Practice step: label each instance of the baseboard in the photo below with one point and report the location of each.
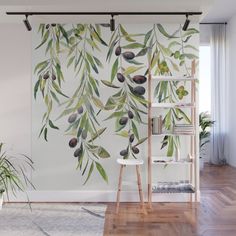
(96, 196)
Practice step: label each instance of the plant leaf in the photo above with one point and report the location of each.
(101, 171)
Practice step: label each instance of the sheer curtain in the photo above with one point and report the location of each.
(219, 95)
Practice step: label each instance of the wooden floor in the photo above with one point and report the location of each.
(214, 216)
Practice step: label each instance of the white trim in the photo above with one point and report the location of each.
(96, 196)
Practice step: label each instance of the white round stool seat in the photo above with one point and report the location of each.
(129, 162)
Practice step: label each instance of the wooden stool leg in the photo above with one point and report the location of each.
(119, 189)
(140, 188)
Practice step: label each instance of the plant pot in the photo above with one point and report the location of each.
(201, 163)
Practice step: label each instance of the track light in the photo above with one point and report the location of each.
(112, 24)
(186, 23)
(27, 24)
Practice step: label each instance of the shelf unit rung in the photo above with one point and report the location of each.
(173, 78)
(172, 105)
(155, 162)
(174, 134)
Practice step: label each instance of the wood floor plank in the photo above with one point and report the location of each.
(214, 216)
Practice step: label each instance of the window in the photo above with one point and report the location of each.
(205, 79)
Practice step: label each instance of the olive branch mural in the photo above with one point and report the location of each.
(49, 73)
(77, 42)
(129, 56)
(126, 102)
(85, 104)
(163, 60)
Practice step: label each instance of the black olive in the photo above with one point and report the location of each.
(131, 138)
(72, 118)
(139, 90)
(124, 152)
(130, 114)
(135, 150)
(73, 142)
(54, 77)
(120, 77)
(118, 51)
(80, 110)
(123, 120)
(128, 55)
(46, 76)
(139, 79)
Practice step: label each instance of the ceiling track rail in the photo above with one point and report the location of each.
(28, 13)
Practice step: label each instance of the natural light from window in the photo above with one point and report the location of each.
(205, 79)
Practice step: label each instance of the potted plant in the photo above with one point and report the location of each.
(205, 123)
(12, 173)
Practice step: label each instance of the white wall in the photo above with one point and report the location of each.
(15, 87)
(231, 36)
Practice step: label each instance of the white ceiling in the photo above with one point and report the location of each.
(213, 10)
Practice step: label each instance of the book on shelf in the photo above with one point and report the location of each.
(173, 187)
(183, 128)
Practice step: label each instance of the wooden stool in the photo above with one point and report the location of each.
(129, 162)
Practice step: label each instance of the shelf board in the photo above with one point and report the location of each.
(174, 134)
(172, 190)
(171, 105)
(173, 78)
(171, 162)
(184, 188)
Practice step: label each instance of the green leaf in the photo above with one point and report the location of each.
(191, 47)
(142, 52)
(98, 103)
(170, 149)
(190, 31)
(109, 84)
(36, 88)
(64, 33)
(45, 37)
(147, 36)
(114, 69)
(123, 133)
(56, 87)
(116, 114)
(97, 134)
(101, 171)
(140, 141)
(135, 130)
(45, 134)
(52, 125)
(183, 114)
(89, 173)
(190, 56)
(41, 65)
(131, 69)
(163, 31)
(102, 152)
(55, 97)
(133, 46)
(70, 61)
(174, 66)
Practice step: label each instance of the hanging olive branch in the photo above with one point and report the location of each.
(83, 106)
(129, 97)
(49, 74)
(162, 60)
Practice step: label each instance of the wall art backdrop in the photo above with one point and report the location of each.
(89, 95)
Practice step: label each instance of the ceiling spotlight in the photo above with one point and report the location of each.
(112, 24)
(186, 23)
(27, 24)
